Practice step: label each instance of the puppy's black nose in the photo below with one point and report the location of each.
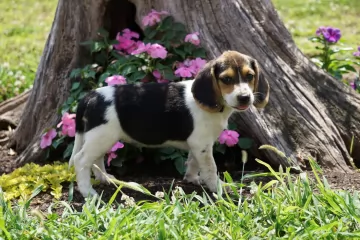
(243, 99)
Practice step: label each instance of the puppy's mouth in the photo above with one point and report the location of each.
(242, 107)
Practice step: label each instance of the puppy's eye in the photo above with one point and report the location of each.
(226, 80)
(249, 77)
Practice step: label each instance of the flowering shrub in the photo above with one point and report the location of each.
(328, 37)
(167, 53)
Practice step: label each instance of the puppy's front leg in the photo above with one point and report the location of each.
(208, 170)
(192, 170)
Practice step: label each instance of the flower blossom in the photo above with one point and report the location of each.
(154, 50)
(126, 41)
(357, 54)
(229, 137)
(46, 138)
(159, 77)
(111, 154)
(330, 34)
(68, 124)
(115, 80)
(189, 68)
(153, 17)
(193, 38)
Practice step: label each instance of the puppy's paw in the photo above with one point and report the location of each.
(88, 193)
(194, 179)
(104, 177)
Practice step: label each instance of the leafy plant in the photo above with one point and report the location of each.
(24, 180)
(328, 37)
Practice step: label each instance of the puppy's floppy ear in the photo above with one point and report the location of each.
(261, 86)
(205, 88)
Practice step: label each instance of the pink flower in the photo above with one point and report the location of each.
(154, 50)
(127, 33)
(117, 146)
(197, 64)
(141, 47)
(193, 38)
(153, 17)
(111, 154)
(115, 80)
(157, 51)
(159, 77)
(229, 137)
(46, 138)
(68, 124)
(184, 72)
(126, 43)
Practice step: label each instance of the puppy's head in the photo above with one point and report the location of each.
(232, 79)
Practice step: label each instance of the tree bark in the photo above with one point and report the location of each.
(309, 113)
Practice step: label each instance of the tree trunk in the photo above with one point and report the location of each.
(309, 113)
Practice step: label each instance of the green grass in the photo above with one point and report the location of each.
(302, 18)
(284, 208)
(24, 27)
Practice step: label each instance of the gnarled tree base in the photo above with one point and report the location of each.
(309, 112)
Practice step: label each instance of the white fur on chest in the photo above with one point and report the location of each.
(206, 125)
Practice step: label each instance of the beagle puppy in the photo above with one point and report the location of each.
(188, 115)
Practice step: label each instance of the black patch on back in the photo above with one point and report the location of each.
(153, 113)
(91, 111)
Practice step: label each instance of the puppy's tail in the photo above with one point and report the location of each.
(80, 128)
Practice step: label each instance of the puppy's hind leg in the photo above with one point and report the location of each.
(97, 142)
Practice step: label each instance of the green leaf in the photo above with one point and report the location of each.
(103, 77)
(167, 151)
(232, 126)
(113, 42)
(166, 23)
(180, 164)
(199, 52)
(98, 46)
(90, 74)
(149, 33)
(103, 33)
(179, 27)
(221, 148)
(75, 86)
(180, 52)
(169, 35)
(70, 100)
(75, 73)
(68, 150)
(189, 48)
(160, 66)
(128, 69)
(245, 143)
(139, 75)
(58, 141)
(168, 74)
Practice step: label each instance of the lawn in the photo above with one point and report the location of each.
(304, 206)
(302, 18)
